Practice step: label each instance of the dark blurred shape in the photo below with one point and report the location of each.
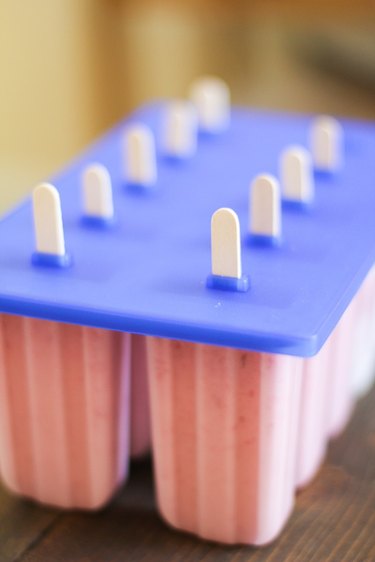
(346, 53)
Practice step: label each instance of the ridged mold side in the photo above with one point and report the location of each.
(140, 432)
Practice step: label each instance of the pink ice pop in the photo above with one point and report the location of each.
(63, 411)
(312, 433)
(340, 395)
(364, 337)
(224, 427)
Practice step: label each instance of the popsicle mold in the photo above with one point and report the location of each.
(253, 364)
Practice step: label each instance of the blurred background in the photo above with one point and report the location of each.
(70, 68)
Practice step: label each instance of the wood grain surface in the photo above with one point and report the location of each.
(334, 518)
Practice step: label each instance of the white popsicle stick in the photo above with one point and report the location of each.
(211, 97)
(180, 133)
(265, 206)
(48, 225)
(140, 156)
(97, 192)
(296, 174)
(226, 244)
(326, 144)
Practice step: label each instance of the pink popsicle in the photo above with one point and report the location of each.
(364, 337)
(224, 426)
(340, 396)
(63, 411)
(312, 433)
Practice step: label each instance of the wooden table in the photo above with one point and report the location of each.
(334, 518)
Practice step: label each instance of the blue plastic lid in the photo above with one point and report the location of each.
(147, 273)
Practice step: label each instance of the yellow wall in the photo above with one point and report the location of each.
(71, 68)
